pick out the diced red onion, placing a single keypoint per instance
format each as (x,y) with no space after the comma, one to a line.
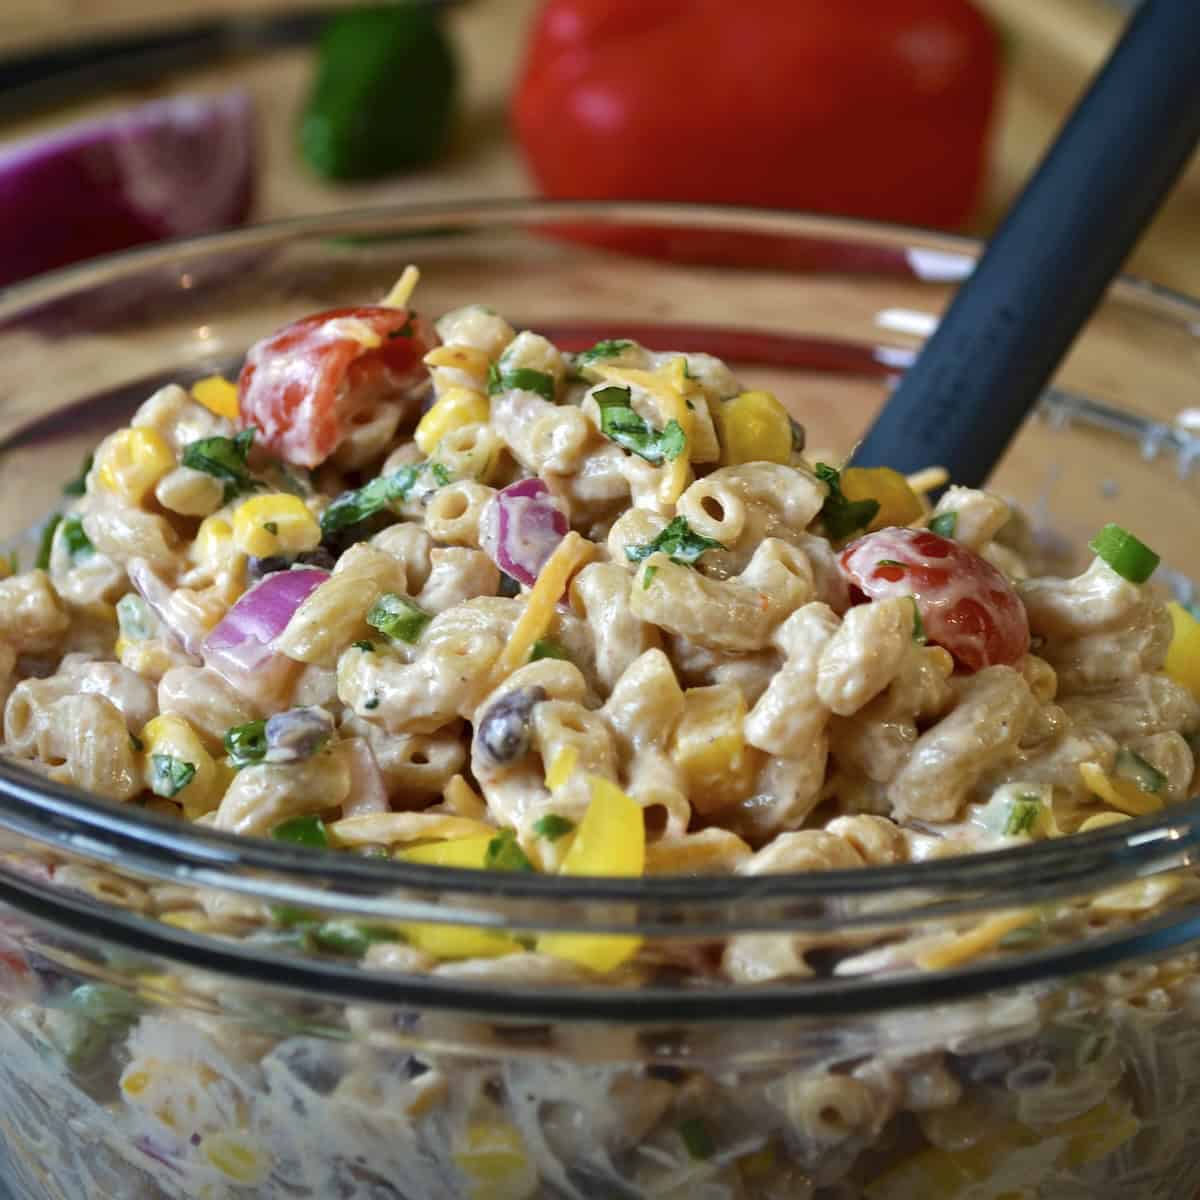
(189,633)
(520,528)
(368,794)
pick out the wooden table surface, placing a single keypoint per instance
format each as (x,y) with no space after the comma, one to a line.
(1051,47)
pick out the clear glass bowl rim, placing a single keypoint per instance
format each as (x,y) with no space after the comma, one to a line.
(60,816)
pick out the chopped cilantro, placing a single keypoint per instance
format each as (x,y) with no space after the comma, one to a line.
(77,542)
(678,541)
(1023,815)
(169,776)
(354,506)
(696,1138)
(944,524)
(78,485)
(608,348)
(398,617)
(247,743)
(523,379)
(842,517)
(648,577)
(620,424)
(224,459)
(552,827)
(547,648)
(890,562)
(918,633)
(307,831)
(504,853)
(42,562)
(364,645)
(352,938)
(371,703)
(271,527)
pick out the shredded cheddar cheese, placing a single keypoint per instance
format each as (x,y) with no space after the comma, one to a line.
(976,941)
(668,386)
(402,289)
(570,554)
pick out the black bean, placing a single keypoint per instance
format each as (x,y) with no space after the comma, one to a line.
(503,731)
(257,568)
(320,557)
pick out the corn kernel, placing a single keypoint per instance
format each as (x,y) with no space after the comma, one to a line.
(174,737)
(457,406)
(132,461)
(217,395)
(754,427)
(898,503)
(277,523)
(559,771)
(1183,655)
(463,358)
(610,840)
(710,748)
(494,1158)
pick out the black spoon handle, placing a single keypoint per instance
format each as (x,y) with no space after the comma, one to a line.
(1048,265)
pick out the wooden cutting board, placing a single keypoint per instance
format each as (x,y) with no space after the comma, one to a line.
(1052,46)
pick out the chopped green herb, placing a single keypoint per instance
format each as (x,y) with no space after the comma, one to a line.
(547,648)
(696,1138)
(371,703)
(398,617)
(840,516)
(1130,558)
(608,348)
(687,372)
(288,916)
(889,562)
(552,827)
(678,541)
(523,379)
(247,743)
(307,831)
(1023,815)
(77,542)
(351,938)
(271,527)
(42,562)
(405,330)
(504,853)
(918,634)
(369,647)
(1135,768)
(354,506)
(224,459)
(134,618)
(137,743)
(169,775)
(78,485)
(648,577)
(508,586)
(944,524)
(620,424)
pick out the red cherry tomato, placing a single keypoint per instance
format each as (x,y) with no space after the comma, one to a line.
(966,605)
(302,385)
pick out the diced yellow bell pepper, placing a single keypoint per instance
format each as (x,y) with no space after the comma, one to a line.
(1122,794)
(610,840)
(456,407)
(1183,655)
(277,523)
(218,395)
(754,427)
(174,737)
(236,1157)
(469,853)
(213,546)
(132,461)
(898,503)
(497,1163)
(559,771)
(710,748)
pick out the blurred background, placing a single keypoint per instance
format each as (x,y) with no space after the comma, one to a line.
(130,120)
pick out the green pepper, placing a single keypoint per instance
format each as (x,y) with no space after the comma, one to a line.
(383,96)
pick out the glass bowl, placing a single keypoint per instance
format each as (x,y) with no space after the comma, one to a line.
(148,1049)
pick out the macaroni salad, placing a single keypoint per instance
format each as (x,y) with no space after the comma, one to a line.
(443,593)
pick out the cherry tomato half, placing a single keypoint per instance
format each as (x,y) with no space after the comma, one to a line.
(302,385)
(966,605)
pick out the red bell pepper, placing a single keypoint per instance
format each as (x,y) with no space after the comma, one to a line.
(873,108)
